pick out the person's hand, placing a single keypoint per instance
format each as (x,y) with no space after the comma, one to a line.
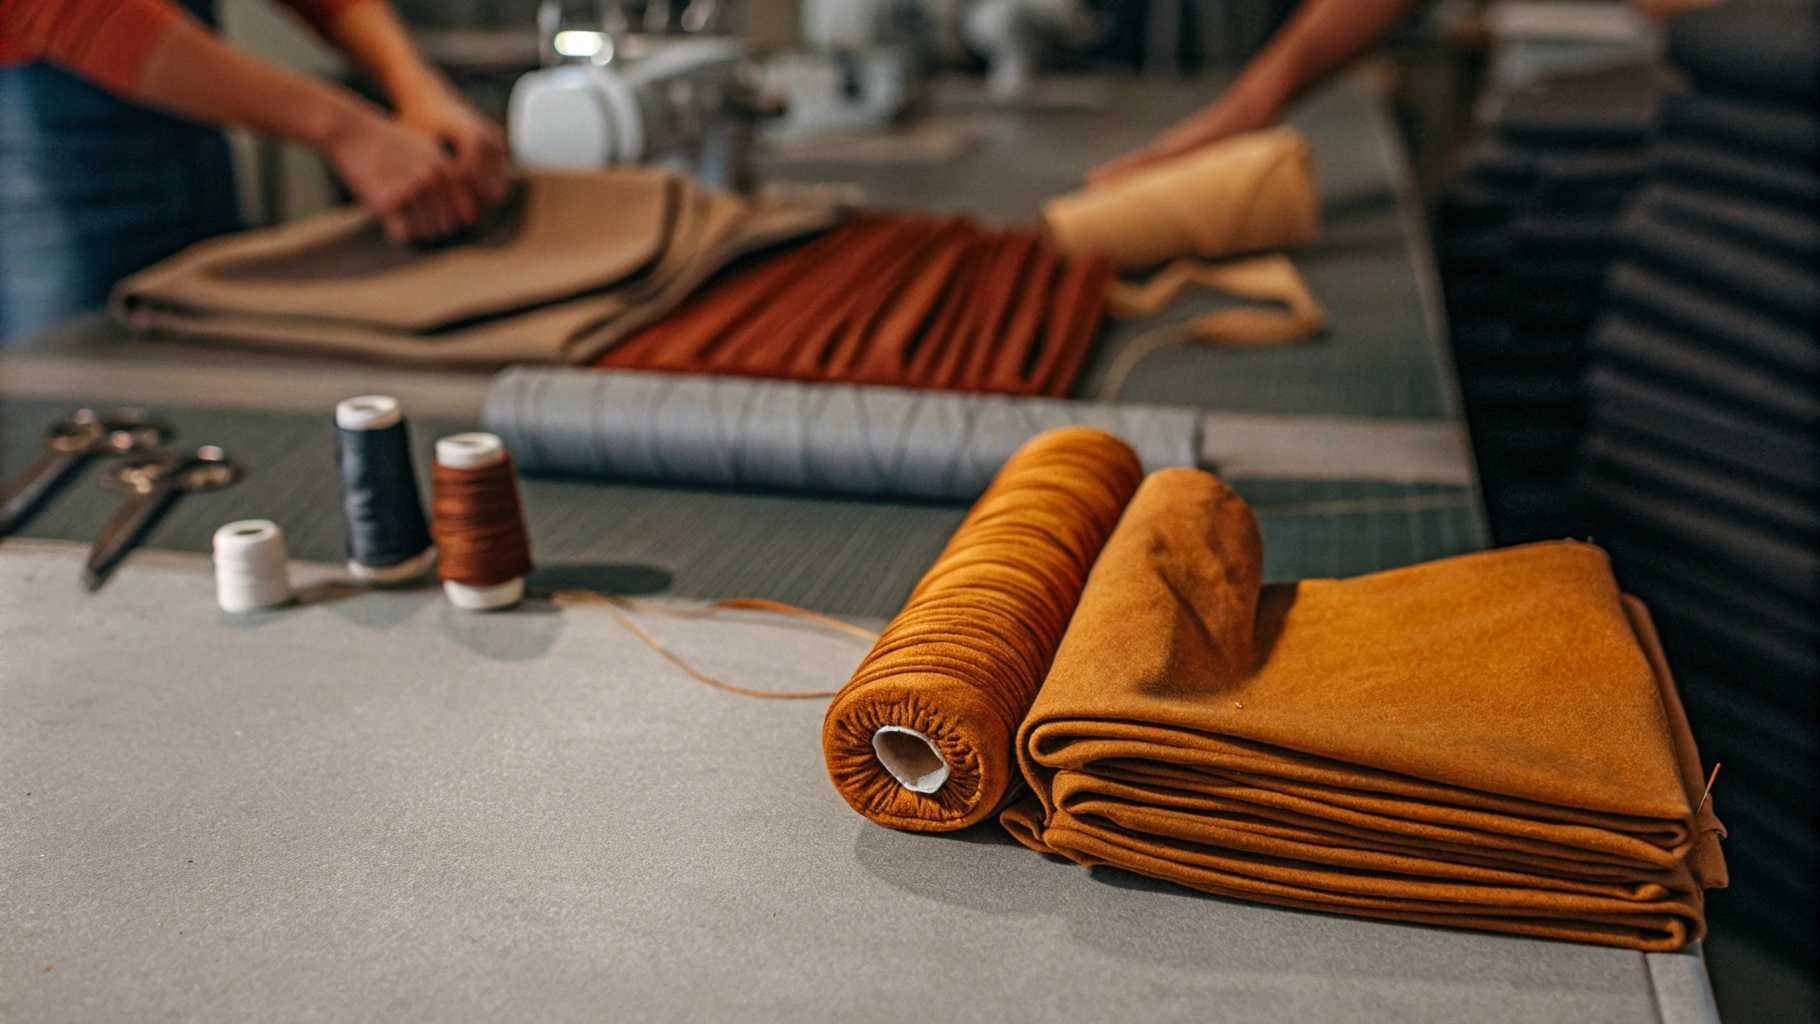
(476,143)
(1668,10)
(404,177)
(1218,120)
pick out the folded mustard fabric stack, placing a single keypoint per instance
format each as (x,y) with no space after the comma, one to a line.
(1489,741)
(573,264)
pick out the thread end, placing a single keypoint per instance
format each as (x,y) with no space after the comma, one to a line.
(470,451)
(368,412)
(484,599)
(413,568)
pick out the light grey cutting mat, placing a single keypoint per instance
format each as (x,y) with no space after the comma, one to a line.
(381,809)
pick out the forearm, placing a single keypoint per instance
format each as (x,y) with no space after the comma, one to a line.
(190,71)
(370,33)
(1321,37)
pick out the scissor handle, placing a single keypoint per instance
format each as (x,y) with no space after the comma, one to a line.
(30,491)
(128,527)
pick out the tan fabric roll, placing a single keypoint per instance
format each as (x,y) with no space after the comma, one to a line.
(1489,741)
(921,737)
(1247,194)
(575,263)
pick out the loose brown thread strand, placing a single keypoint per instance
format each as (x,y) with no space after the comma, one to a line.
(617,607)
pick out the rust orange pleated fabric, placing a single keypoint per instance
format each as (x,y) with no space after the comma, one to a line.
(921,737)
(1489,741)
(895,299)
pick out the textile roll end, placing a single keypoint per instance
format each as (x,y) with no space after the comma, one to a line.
(922,737)
(932,755)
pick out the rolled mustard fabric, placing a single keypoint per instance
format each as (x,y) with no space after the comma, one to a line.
(921,737)
(1250,193)
(1490,741)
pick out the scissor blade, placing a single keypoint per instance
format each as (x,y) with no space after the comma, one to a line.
(128,527)
(29,492)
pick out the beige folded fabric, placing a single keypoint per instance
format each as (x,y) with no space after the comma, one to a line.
(1247,194)
(572,265)
(1489,741)
(1268,278)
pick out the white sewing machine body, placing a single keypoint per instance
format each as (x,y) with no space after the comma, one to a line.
(677,102)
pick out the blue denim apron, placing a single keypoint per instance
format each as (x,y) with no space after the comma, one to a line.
(93,188)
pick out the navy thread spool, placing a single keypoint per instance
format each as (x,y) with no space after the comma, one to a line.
(388,537)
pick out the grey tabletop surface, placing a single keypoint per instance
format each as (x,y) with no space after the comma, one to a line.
(371,806)
(374,807)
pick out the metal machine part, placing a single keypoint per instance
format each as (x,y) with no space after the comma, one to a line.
(1015,35)
(844,90)
(682,102)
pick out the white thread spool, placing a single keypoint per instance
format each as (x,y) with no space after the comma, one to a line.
(377,412)
(251,568)
(368,412)
(470,452)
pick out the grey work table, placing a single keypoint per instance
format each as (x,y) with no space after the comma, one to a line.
(373,807)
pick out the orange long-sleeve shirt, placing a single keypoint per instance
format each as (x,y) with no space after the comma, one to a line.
(106,41)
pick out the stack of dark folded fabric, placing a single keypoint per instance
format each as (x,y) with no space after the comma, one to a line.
(1528,235)
(1700,461)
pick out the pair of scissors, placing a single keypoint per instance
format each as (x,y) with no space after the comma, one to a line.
(153,483)
(69,446)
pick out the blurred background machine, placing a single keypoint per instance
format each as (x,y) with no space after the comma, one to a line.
(610,98)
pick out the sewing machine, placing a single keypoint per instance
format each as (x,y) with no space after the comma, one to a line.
(679,101)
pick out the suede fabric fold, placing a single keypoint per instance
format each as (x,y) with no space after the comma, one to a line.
(956,670)
(1489,741)
(571,266)
(1249,193)
(894,299)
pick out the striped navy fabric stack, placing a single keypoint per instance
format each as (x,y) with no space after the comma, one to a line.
(1699,463)
(1527,237)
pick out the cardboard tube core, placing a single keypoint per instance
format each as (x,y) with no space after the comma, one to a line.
(911,758)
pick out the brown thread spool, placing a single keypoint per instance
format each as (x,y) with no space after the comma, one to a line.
(478,523)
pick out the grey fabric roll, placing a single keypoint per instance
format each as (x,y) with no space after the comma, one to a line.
(848,439)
